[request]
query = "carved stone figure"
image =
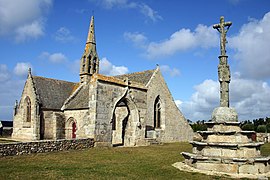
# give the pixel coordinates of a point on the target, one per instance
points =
(223, 68)
(223, 28)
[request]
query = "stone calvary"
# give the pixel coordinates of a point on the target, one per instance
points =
(224, 147)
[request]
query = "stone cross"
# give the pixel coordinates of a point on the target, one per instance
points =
(223, 28)
(223, 67)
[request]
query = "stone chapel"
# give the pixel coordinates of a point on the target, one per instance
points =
(129, 110)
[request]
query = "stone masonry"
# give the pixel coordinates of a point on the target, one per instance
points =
(125, 110)
(224, 147)
(23, 148)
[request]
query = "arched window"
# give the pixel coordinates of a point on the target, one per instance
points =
(27, 109)
(83, 64)
(89, 63)
(157, 113)
(95, 64)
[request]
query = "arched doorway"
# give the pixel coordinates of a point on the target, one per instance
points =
(125, 122)
(74, 128)
(71, 128)
(119, 124)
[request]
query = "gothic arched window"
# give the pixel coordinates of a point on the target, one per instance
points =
(89, 63)
(157, 113)
(95, 64)
(27, 109)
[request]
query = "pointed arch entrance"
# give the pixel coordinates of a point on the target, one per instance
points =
(74, 128)
(71, 128)
(125, 122)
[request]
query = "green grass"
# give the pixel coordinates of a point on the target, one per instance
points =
(6, 141)
(152, 162)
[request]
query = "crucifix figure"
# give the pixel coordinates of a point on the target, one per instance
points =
(223, 67)
(223, 28)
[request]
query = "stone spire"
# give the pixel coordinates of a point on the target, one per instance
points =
(91, 41)
(89, 61)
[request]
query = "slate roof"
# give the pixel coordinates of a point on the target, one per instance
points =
(80, 100)
(139, 77)
(53, 92)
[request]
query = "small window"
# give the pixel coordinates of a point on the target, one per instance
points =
(157, 113)
(28, 109)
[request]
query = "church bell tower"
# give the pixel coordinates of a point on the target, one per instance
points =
(89, 61)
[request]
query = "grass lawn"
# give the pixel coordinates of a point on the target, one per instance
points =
(152, 162)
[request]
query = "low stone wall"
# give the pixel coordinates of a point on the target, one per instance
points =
(19, 148)
(263, 137)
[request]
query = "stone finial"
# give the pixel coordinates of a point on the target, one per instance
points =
(15, 108)
(29, 71)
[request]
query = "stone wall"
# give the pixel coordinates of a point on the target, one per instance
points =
(108, 97)
(85, 125)
(263, 137)
(174, 126)
(20, 148)
(21, 128)
(49, 125)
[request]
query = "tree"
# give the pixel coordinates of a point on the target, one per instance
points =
(261, 129)
(248, 127)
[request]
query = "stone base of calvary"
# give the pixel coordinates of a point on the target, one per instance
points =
(224, 147)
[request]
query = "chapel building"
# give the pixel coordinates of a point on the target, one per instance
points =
(130, 110)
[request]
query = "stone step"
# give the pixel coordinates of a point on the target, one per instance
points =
(153, 141)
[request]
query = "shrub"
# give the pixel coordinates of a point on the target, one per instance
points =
(248, 127)
(261, 129)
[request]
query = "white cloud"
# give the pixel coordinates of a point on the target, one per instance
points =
(21, 69)
(171, 71)
(23, 19)
(109, 4)
(178, 103)
(10, 90)
(54, 58)
(63, 35)
(143, 8)
(29, 31)
(250, 98)
(107, 68)
(182, 40)
(4, 73)
(138, 39)
(252, 48)
(149, 12)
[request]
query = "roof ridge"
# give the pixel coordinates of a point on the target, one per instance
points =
(53, 79)
(139, 72)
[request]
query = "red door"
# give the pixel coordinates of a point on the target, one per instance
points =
(74, 130)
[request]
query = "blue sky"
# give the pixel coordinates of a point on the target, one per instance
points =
(49, 36)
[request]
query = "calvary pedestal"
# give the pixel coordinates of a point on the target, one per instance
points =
(224, 146)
